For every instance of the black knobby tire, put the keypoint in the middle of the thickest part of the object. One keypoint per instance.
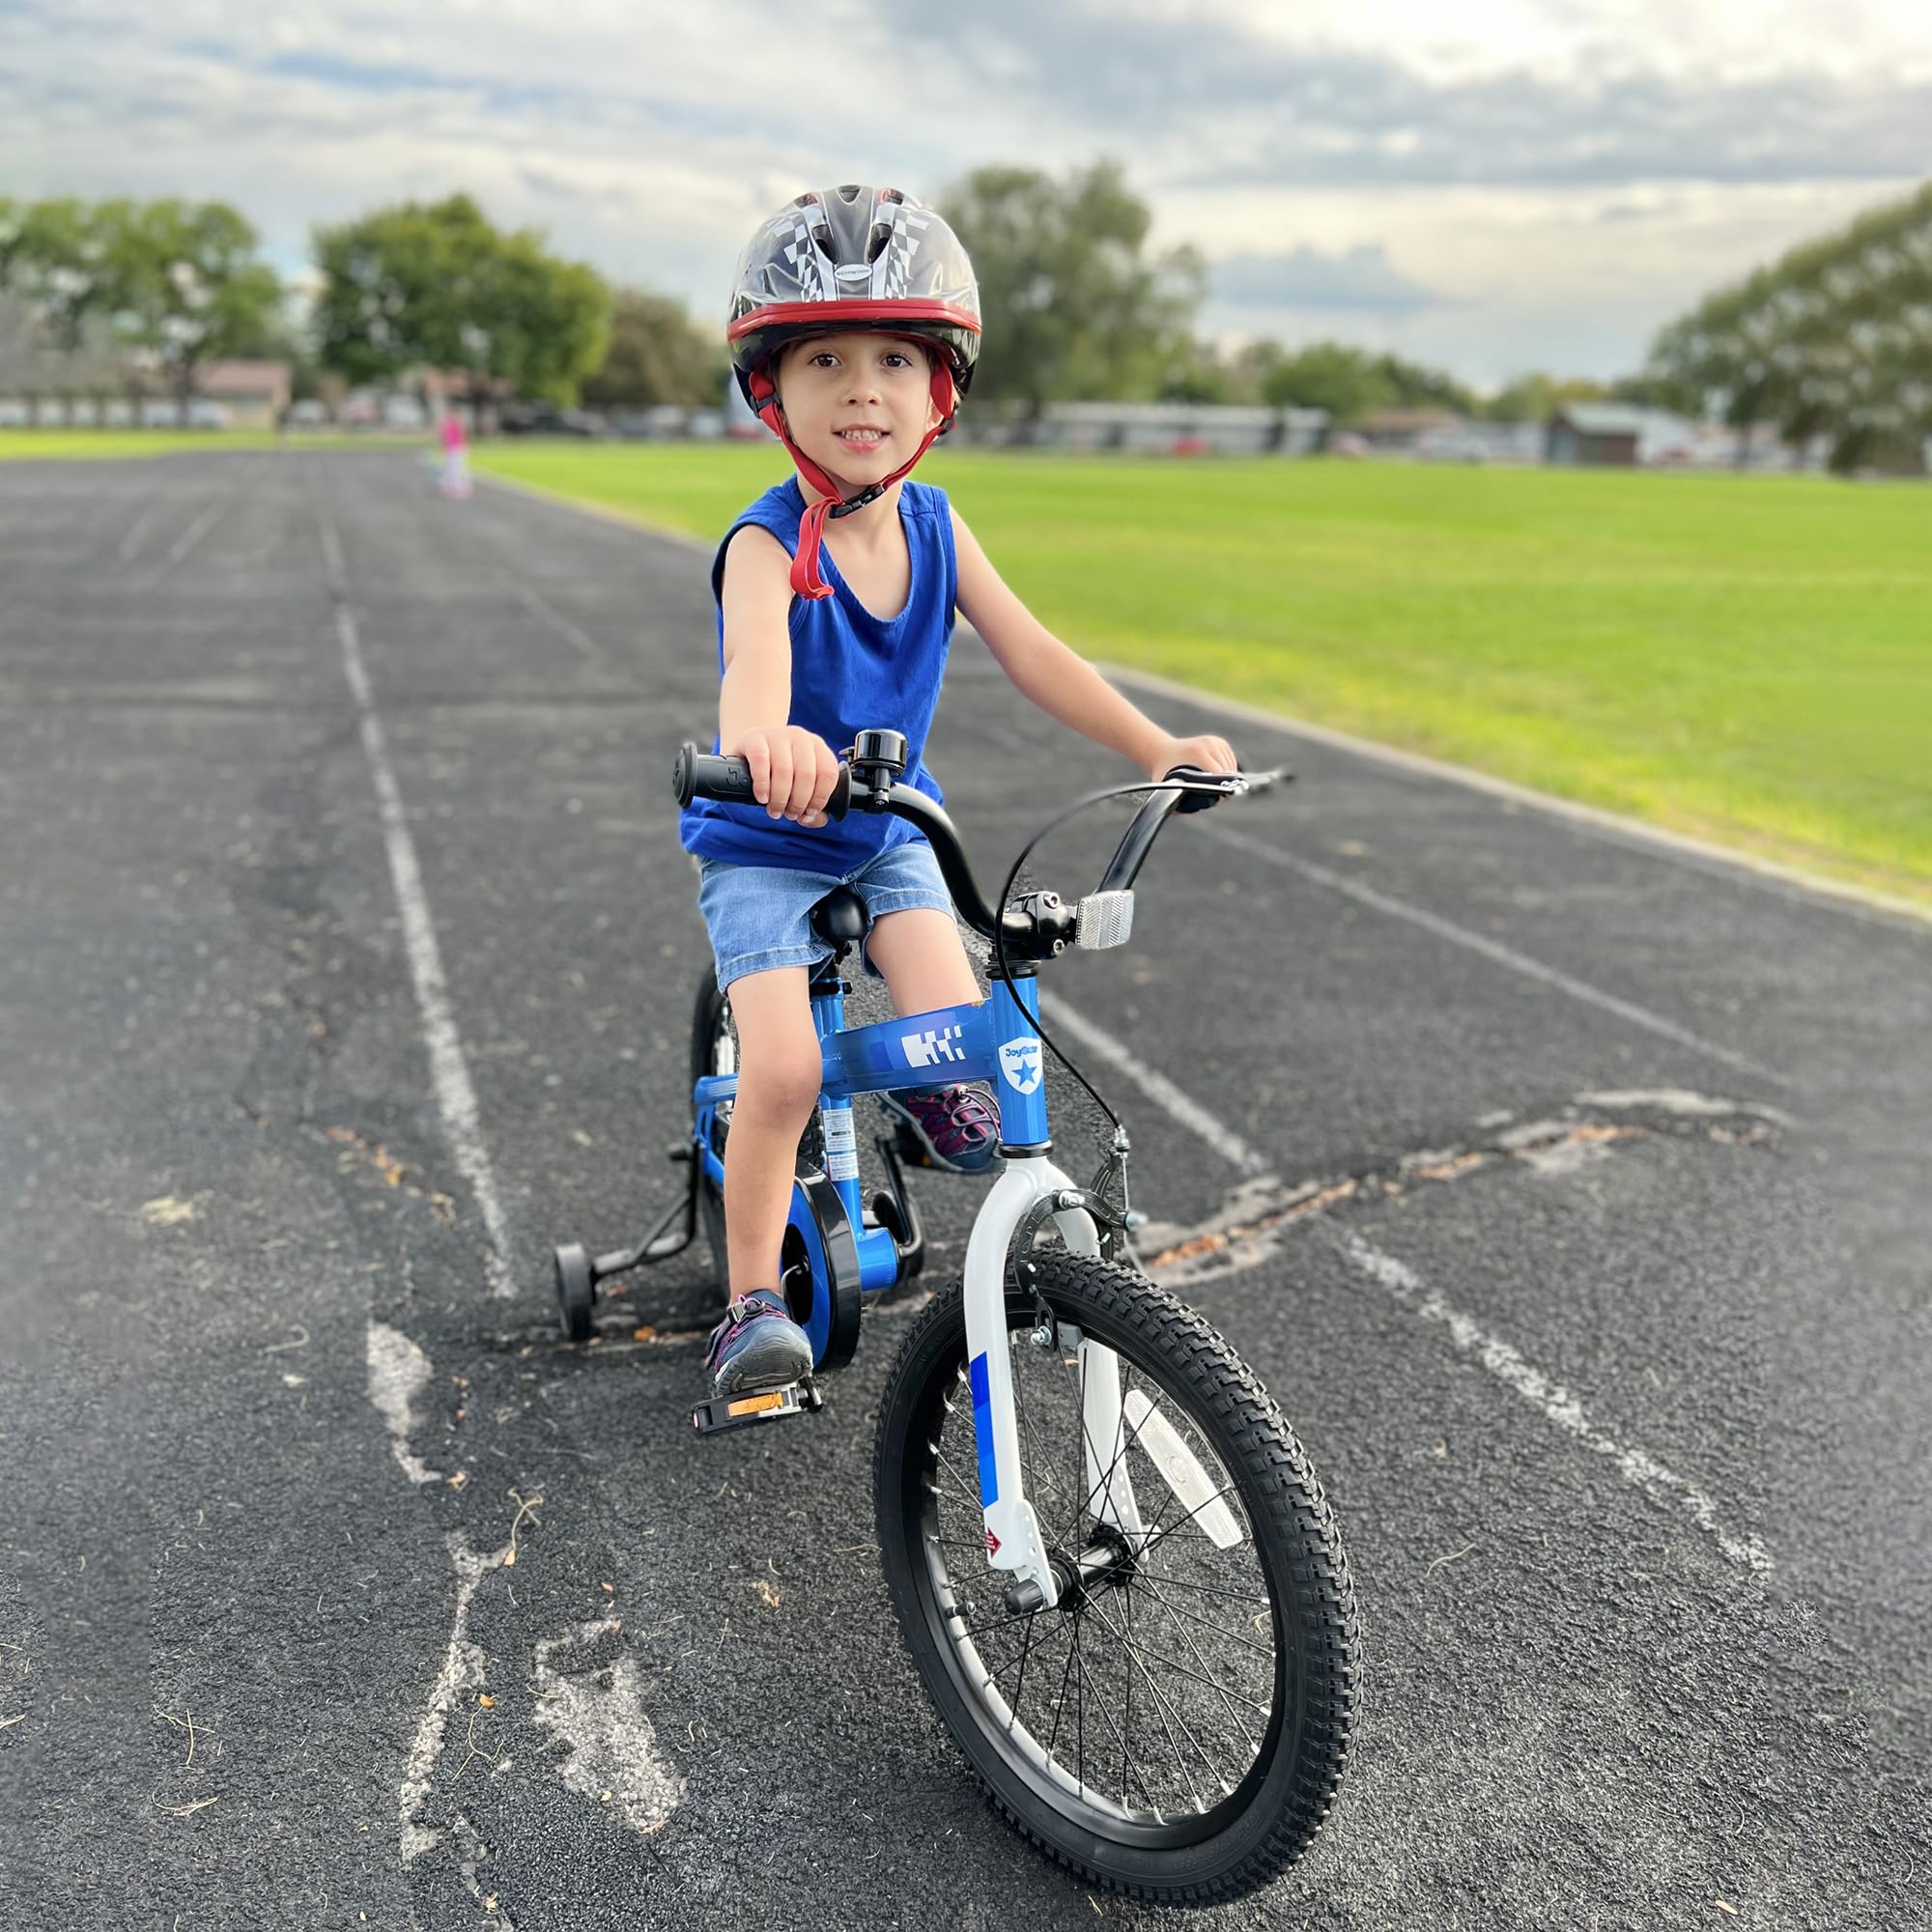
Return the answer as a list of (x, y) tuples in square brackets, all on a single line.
[(575, 1294), (713, 1038), (960, 1629)]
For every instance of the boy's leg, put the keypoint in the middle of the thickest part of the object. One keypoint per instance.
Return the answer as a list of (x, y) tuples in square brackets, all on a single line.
[(923, 961), (780, 1070), (757, 1346), (920, 954)]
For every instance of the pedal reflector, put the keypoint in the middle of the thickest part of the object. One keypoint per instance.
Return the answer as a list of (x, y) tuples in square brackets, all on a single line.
[(742, 1412)]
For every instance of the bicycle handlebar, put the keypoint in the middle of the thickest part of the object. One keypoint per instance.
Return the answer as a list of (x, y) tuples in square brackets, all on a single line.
[(1037, 927)]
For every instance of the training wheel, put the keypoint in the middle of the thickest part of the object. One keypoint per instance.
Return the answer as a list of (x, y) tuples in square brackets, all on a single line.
[(575, 1294)]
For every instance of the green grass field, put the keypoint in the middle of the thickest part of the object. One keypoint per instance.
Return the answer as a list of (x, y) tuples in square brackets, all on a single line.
[(1745, 659)]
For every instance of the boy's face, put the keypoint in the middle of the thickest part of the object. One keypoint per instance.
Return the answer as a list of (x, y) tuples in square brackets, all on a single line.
[(857, 404)]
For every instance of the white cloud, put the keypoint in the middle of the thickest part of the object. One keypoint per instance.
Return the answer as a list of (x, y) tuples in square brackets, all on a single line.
[(1565, 174)]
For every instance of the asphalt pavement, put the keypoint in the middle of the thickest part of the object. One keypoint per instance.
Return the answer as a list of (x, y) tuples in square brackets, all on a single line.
[(1567, 1190)]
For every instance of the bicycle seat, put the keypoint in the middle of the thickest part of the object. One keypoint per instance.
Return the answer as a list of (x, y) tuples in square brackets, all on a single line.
[(840, 917)]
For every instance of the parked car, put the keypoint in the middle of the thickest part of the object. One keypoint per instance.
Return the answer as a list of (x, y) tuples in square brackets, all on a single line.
[(660, 420), (547, 419)]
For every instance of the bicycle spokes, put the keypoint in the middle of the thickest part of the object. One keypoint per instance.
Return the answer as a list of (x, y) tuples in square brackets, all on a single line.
[(1147, 1691)]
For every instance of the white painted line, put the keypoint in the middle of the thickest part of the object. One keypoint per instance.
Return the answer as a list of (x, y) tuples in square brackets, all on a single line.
[(398, 1373), (462, 1669), (333, 567), (1676, 1101), (1661, 1483), (1746, 868), (601, 1716), (449, 1070), (555, 620), (130, 544), (1156, 1085), (193, 535), (1493, 950)]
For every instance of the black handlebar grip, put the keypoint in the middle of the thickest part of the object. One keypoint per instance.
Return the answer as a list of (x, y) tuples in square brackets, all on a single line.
[(729, 779), (1192, 801)]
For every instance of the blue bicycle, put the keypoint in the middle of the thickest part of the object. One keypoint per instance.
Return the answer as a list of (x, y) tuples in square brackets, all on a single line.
[(1118, 1576)]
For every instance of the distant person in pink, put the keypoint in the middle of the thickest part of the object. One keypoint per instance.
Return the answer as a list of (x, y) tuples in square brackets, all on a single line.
[(455, 457)]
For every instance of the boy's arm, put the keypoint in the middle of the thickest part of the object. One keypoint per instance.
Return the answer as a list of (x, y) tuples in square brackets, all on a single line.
[(792, 770), (1061, 681)]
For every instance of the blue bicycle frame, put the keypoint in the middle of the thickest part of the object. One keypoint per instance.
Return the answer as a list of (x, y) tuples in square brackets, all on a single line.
[(992, 1041), (995, 1040)]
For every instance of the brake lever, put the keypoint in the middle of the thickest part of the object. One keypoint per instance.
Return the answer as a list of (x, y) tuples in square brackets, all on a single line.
[(1226, 785)]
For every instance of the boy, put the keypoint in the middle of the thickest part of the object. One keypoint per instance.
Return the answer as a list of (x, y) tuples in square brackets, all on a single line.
[(854, 329)]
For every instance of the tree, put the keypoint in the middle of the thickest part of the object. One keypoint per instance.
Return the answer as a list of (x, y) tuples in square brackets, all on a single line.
[(1071, 305), (186, 283), (1834, 338), (54, 262), (1195, 373), (1348, 382), (657, 355), (411, 286), (1535, 396), (1416, 388)]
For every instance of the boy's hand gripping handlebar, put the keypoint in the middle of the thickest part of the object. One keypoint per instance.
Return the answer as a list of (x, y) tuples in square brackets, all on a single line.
[(1039, 925)]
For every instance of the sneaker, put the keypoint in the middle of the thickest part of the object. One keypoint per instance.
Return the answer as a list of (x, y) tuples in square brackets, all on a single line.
[(757, 1346), (956, 1127)]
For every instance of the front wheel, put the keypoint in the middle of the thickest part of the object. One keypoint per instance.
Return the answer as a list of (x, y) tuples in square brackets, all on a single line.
[(1175, 1727)]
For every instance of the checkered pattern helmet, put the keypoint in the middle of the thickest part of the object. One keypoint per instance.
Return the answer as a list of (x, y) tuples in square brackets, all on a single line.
[(851, 258), (867, 258)]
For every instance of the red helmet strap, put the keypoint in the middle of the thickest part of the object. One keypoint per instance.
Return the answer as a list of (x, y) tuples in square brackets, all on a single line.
[(805, 580)]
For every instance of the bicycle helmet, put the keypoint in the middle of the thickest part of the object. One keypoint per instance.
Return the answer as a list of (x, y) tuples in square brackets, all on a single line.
[(851, 258)]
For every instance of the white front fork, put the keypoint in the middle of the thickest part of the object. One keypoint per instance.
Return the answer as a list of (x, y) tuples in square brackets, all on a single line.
[(1012, 1531)]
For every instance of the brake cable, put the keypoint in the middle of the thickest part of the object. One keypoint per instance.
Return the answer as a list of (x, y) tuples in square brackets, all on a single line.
[(1120, 1146)]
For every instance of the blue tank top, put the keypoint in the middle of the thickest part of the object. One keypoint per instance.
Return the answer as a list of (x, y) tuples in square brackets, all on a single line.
[(850, 671)]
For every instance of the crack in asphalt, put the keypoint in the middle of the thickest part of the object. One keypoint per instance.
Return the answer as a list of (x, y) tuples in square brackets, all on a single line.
[(1256, 1212)]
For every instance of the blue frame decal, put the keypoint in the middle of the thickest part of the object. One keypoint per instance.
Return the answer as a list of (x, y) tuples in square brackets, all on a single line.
[(982, 1435)]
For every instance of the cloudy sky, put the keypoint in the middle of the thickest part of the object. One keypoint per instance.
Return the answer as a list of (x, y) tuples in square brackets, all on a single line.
[(1531, 183)]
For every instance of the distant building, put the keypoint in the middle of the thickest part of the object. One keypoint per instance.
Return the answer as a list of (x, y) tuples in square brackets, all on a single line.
[(1402, 432), (1180, 429), (249, 394), (1594, 433)]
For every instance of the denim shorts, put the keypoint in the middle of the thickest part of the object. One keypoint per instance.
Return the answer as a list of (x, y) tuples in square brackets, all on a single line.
[(757, 916)]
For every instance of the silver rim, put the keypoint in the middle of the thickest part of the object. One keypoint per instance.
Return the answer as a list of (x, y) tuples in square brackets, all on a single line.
[(1148, 1695)]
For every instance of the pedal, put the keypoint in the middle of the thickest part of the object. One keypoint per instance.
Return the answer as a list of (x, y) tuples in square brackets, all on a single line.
[(740, 1411)]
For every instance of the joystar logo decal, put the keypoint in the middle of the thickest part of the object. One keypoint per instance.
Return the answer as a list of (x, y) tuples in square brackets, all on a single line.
[(1019, 1062)]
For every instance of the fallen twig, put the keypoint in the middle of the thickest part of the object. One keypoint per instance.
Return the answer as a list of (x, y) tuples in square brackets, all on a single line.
[(471, 1748), (180, 1810), (524, 1509)]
